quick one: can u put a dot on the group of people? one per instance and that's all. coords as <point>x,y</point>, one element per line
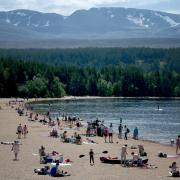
<point>76,139</point>
<point>22,130</point>
<point>106,132</point>
<point>137,158</point>
<point>54,171</point>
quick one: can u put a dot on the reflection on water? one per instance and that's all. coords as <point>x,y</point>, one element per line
<point>159,125</point>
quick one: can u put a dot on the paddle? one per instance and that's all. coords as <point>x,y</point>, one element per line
<point>82,155</point>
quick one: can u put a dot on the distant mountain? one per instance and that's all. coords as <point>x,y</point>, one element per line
<point>95,23</point>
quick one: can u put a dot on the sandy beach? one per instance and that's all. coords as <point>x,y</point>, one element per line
<point>23,169</point>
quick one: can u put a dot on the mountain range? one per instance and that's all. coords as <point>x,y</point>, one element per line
<point>92,24</point>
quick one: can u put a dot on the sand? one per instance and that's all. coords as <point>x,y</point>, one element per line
<point>80,169</point>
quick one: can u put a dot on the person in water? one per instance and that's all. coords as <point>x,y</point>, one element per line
<point>135,133</point>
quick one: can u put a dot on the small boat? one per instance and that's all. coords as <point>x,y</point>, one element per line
<point>110,160</point>
<point>118,161</point>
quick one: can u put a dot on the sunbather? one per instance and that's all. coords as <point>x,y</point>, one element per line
<point>42,171</point>
<point>141,150</point>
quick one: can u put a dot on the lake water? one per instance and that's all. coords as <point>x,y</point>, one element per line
<point>153,124</point>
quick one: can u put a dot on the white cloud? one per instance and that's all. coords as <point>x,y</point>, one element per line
<point>66,7</point>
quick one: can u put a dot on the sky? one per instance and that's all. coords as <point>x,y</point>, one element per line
<point>67,7</point>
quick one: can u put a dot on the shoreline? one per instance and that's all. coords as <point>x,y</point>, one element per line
<point>101,97</point>
<point>74,98</point>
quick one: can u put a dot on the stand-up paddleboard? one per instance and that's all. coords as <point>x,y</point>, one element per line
<point>159,109</point>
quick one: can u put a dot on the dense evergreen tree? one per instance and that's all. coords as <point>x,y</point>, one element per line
<point>79,72</point>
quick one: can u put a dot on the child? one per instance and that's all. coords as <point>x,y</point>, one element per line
<point>91,155</point>
<point>15,149</point>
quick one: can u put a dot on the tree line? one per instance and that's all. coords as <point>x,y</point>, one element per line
<point>148,59</point>
<point>20,78</point>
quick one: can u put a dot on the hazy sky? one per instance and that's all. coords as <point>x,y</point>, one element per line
<point>66,7</point>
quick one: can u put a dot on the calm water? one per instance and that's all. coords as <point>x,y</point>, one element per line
<point>155,125</point>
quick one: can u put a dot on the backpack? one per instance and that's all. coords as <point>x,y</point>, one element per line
<point>128,131</point>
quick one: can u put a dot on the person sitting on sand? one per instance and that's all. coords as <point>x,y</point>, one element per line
<point>123,154</point>
<point>174,170</point>
<point>65,137</point>
<point>177,144</point>
<point>135,158</point>
<point>141,150</point>
<point>42,154</point>
<point>54,133</point>
<point>36,117</point>
<point>16,149</point>
<point>78,139</point>
<point>54,170</point>
<point>75,134</point>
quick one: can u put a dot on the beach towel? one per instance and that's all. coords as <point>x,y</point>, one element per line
<point>34,154</point>
<point>173,156</point>
<point>89,143</point>
<point>61,164</point>
<point>7,143</point>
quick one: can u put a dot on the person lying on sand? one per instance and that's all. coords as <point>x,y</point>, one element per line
<point>54,171</point>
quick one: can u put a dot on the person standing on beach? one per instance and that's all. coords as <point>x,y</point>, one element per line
<point>91,155</point>
<point>120,130</point>
<point>123,154</point>
<point>177,144</point>
<point>15,149</point>
<point>25,131</point>
<point>19,131</point>
<point>105,132</point>
<point>111,133</point>
<point>125,132</point>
